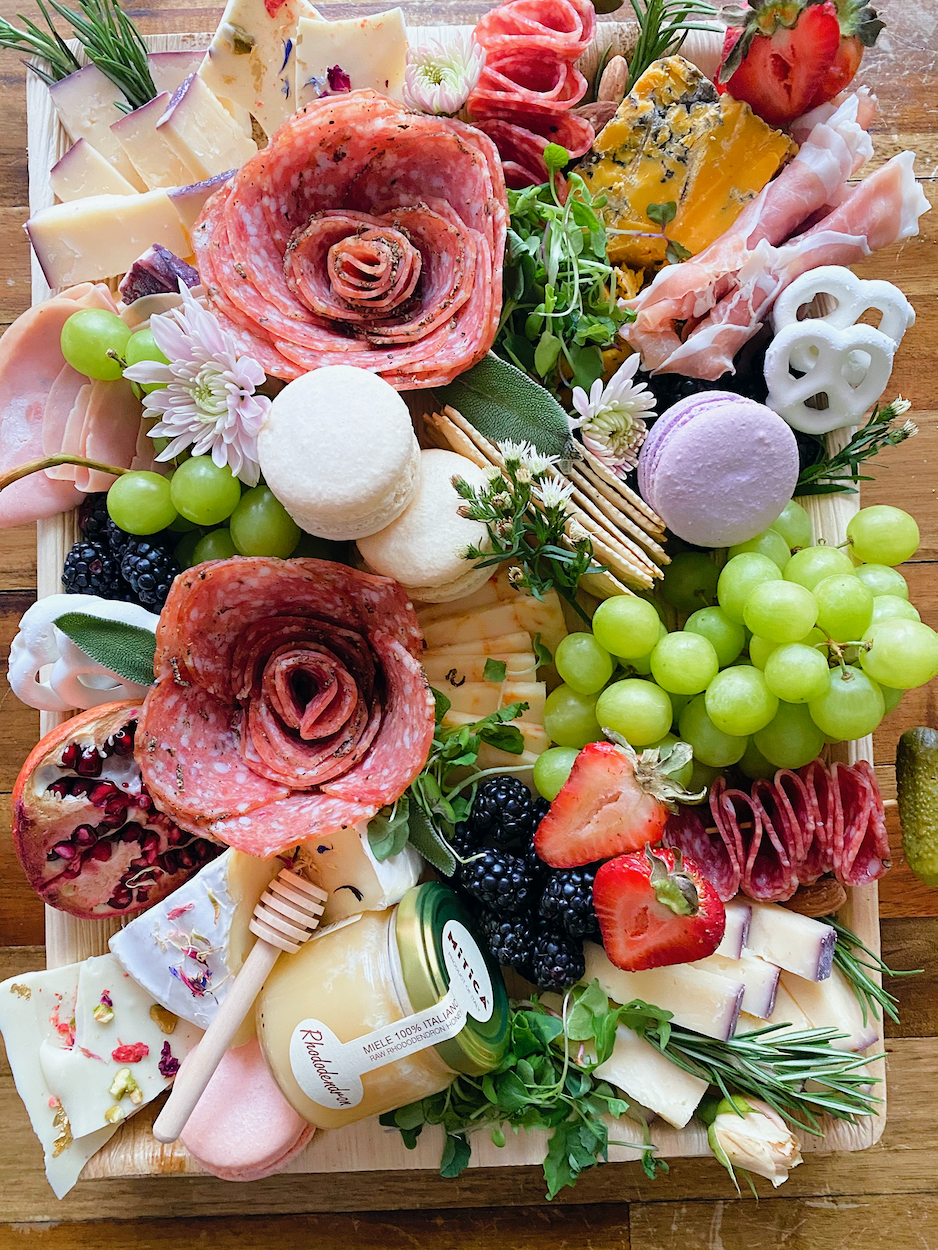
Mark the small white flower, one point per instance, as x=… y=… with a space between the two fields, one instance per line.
x=611 y=420
x=538 y=463
x=439 y=76
x=205 y=398
x=554 y=493
x=759 y=1140
x=514 y=453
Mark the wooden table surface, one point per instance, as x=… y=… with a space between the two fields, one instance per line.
x=888 y=1194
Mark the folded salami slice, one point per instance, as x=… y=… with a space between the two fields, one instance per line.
x=771 y=866
x=564 y=27
x=861 y=852
x=819 y=858
x=542 y=81
x=715 y=857
x=289 y=701
x=522 y=135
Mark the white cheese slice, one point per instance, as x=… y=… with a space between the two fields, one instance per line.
x=449 y=672
x=518 y=643
x=189 y=201
x=169 y=69
x=186 y=950
x=154 y=158
x=523 y=613
x=371 y=50
x=250 y=60
x=345 y=867
x=487 y=594
x=86 y=104
x=202 y=132
x=103 y=235
x=833 y=1004
x=738 y=920
x=759 y=978
x=796 y=943
x=84 y=171
x=33 y=1009
x=786 y=1011
x=647 y=1076
x=703 y=1001
x=481 y=698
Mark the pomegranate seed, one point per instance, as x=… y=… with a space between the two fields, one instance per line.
x=80 y=787
x=63 y=850
x=185 y=857
x=60 y=788
x=168 y=862
x=101 y=851
x=102 y=792
x=71 y=755
x=142 y=896
x=72 y=870
x=89 y=765
x=131 y=832
x=139 y=862
x=84 y=835
x=174 y=835
x=122 y=743
x=144 y=802
x=121 y=897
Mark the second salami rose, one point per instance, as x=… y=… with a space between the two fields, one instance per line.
x=289 y=702
x=363 y=235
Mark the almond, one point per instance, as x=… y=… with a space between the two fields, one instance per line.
x=826 y=895
x=614 y=80
x=597 y=114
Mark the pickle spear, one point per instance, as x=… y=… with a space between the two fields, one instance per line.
x=917 y=782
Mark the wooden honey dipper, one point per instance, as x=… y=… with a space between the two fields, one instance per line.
x=285 y=917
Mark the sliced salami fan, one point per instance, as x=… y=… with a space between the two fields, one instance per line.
x=714 y=856
x=819 y=784
x=861 y=853
x=544 y=81
x=521 y=137
x=564 y=27
x=773 y=872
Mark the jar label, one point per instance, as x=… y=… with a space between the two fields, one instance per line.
x=329 y=1071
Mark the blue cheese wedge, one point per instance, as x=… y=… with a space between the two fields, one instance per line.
x=204 y=135
x=87 y=104
x=250 y=60
x=84 y=171
x=345 y=867
x=650 y=1078
x=152 y=155
x=371 y=50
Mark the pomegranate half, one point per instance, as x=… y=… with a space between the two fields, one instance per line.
x=85 y=829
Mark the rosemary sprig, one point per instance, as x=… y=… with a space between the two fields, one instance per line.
x=663 y=27
x=32 y=41
x=841 y=471
x=870 y=995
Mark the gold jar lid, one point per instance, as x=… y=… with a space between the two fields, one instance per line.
x=438 y=948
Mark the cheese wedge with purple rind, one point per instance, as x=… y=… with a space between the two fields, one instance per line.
x=793 y=942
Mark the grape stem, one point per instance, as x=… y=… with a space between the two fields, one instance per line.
x=50 y=462
x=837 y=650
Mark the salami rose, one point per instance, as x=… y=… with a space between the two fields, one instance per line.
x=289 y=701
x=363 y=235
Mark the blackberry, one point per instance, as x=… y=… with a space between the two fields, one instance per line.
x=499 y=881
x=149 y=568
x=568 y=899
x=510 y=939
x=502 y=811
x=556 y=960
x=117 y=538
x=90 y=569
x=463 y=840
x=93 y=518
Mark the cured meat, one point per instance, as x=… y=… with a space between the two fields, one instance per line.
x=545 y=82
x=289 y=701
x=564 y=27
x=716 y=857
x=363 y=235
x=521 y=145
x=861 y=851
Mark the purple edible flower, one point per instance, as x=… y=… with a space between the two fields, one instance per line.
x=338 y=79
x=169 y=1064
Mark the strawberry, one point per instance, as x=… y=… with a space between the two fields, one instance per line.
x=656 y=908
x=613 y=801
x=859 y=29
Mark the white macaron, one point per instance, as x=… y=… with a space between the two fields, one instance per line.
x=338 y=450
x=424 y=548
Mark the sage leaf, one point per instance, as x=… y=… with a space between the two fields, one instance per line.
x=127 y=650
x=425 y=839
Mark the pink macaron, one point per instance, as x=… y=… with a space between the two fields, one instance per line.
x=718 y=468
x=242 y=1127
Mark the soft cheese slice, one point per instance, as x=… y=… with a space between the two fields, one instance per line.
x=186 y=950
x=448 y=673
x=87 y=103
x=481 y=698
x=203 y=133
x=703 y=1001
x=796 y=943
x=833 y=1004
x=84 y=171
x=250 y=60
x=646 y=1075
x=103 y=235
x=738 y=920
x=759 y=978
x=34 y=1008
x=523 y=613
x=371 y=50
x=345 y=867
x=152 y=155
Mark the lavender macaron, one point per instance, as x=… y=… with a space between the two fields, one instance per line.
x=718 y=468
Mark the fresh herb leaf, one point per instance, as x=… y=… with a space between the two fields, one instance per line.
x=675 y=252
x=661 y=214
x=127 y=650
x=870 y=994
x=456 y=1154
x=495 y=670
x=841 y=470
x=388 y=832
x=663 y=27
x=426 y=839
x=441 y=702
x=555 y=157
x=541 y=653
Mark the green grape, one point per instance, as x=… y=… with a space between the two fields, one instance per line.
x=739 y=702
x=891 y=697
x=142 y=346
x=769 y=543
x=702 y=777
x=796 y=673
x=88 y=336
x=760 y=649
x=725 y=636
x=852 y=707
x=794 y=525
x=638 y=710
x=678 y=703
x=845 y=607
x=690 y=581
x=261 y=526
x=904 y=654
x=216 y=545
x=182 y=526
x=141 y=503
x=203 y=492
x=570 y=718
x=184 y=551
x=888 y=607
x=710 y=745
x=684 y=663
x=582 y=663
x=883 y=535
x=642 y=664
x=310 y=547
x=740 y=577
x=754 y=764
x=551 y=770
x=780 y=611
x=813 y=564
x=790 y=739
x=626 y=626
x=882 y=580
x=683 y=774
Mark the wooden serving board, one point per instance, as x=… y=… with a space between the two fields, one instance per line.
x=366 y=1147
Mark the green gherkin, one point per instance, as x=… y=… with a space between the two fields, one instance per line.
x=917 y=779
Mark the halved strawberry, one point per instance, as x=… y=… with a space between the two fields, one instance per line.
x=656 y=908
x=859 y=28
x=613 y=801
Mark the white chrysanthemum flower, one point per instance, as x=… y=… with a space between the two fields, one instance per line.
x=205 y=399
x=554 y=493
x=439 y=76
x=538 y=463
x=611 y=421
x=514 y=453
